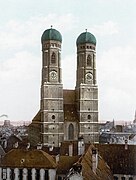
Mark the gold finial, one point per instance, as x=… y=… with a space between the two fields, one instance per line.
x=51 y=26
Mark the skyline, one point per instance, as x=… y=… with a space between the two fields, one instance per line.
x=113 y=25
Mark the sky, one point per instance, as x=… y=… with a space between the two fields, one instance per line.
x=21 y=26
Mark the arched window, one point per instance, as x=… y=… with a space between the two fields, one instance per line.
x=89 y=60
x=71 y=132
x=53 y=117
x=89 y=116
x=53 y=58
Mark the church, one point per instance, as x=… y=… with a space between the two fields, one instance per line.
x=65 y=114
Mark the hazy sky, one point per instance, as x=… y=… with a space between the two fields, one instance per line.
x=22 y=22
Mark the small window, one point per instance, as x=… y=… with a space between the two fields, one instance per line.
x=4 y=173
x=59 y=178
x=37 y=174
x=89 y=116
x=28 y=174
x=53 y=117
x=46 y=174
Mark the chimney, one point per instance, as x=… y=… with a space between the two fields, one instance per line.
x=94 y=159
x=39 y=146
x=57 y=158
x=5 y=143
x=81 y=146
x=28 y=146
x=51 y=148
x=77 y=167
x=15 y=145
x=71 y=149
x=126 y=144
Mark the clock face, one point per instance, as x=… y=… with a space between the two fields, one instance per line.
x=53 y=75
x=89 y=77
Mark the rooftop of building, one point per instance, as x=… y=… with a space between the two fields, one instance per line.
x=103 y=170
x=86 y=37
x=120 y=158
x=28 y=158
x=51 y=34
x=85 y=161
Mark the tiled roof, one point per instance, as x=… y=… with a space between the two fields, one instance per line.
x=121 y=161
x=11 y=142
x=37 y=117
x=102 y=172
x=34 y=130
x=28 y=159
x=65 y=163
x=69 y=96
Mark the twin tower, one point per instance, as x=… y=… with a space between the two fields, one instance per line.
x=66 y=115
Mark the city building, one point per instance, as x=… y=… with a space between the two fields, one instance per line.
x=85 y=164
x=26 y=164
x=66 y=114
x=121 y=158
x=36 y=164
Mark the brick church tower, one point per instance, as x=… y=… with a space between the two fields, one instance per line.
x=86 y=87
x=66 y=114
x=51 y=89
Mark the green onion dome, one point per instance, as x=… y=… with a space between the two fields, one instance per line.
x=86 y=37
x=51 y=34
